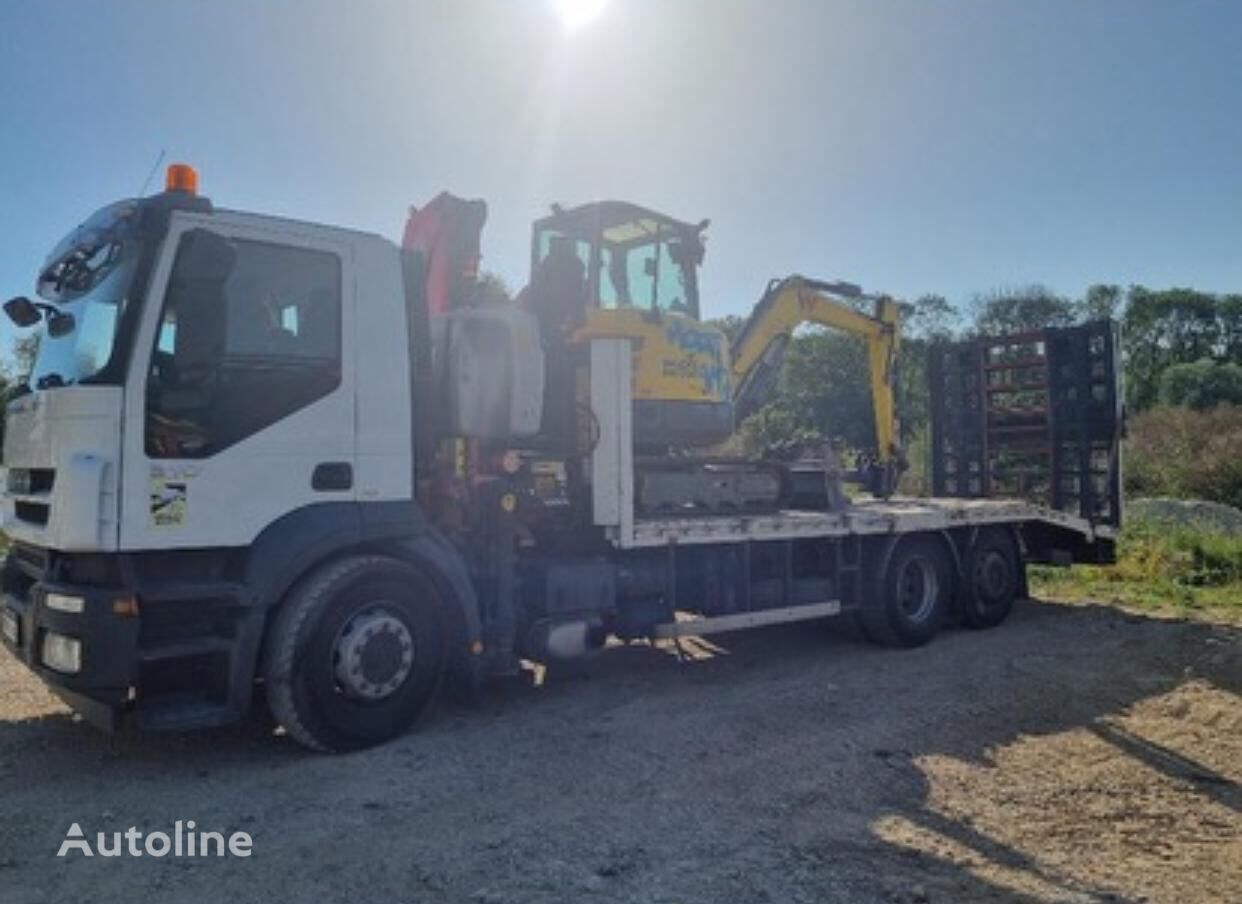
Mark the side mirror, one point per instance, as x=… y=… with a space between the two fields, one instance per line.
x=22 y=311
x=59 y=323
x=205 y=256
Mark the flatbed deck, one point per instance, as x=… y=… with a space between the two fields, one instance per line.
x=865 y=517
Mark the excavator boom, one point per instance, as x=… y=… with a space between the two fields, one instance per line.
x=759 y=349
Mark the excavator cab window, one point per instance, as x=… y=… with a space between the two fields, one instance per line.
x=643 y=265
x=632 y=257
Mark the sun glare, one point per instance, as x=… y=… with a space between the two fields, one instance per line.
x=576 y=14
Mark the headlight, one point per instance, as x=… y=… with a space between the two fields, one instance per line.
x=62 y=603
x=18 y=481
x=62 y=653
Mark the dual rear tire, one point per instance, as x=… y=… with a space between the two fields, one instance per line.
x=920 y=586
x=910 y=595
x=993 y=579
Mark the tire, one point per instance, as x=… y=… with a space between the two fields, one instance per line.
x=992 y=579
x=356 y=654
x=911 y=598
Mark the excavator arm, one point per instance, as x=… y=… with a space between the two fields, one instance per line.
x=759 y=349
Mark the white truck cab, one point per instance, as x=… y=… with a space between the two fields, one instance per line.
x=195 y=433
x=281 y=425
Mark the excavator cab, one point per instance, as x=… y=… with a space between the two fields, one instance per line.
x=617 y=270
x=631 y=257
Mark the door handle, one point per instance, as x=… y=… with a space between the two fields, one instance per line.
x=330 y=476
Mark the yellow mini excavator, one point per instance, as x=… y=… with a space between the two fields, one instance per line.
x=614 y=269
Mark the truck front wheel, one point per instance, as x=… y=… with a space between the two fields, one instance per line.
x=355 y=654
x=911 y=596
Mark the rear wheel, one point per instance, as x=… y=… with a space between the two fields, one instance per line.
x=992 y=579
x=355 y=654
x=911 y=597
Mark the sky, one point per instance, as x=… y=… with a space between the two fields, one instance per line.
x=947 y=146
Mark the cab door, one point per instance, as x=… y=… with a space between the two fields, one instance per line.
x=240 y=399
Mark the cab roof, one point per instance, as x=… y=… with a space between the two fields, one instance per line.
x=620 y=222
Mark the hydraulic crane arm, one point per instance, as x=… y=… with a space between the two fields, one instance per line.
x=760 y=348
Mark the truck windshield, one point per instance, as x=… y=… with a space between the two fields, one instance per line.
x=89 y=276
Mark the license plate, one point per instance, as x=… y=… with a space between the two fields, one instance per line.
x=10 y=626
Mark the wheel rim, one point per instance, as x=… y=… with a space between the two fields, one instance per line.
x=918 y=588
x=992 y=577
x=372 y=654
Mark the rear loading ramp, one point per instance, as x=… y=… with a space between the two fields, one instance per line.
x=1035 y=416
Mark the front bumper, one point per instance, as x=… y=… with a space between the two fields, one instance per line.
x=101 y=688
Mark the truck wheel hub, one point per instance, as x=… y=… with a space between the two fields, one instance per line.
x=917 y=589
x=992 y=576
x=373 y=655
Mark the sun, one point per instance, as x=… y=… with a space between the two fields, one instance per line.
x=575 y=14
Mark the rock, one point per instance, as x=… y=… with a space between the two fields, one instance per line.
x=1196 y=513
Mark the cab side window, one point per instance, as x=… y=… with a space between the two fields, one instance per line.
x=250 y=333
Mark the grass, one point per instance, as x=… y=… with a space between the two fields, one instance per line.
x=1160 y=567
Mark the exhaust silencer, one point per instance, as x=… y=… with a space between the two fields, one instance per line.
x=562 y=640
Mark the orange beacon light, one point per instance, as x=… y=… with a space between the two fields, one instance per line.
x=181 y=177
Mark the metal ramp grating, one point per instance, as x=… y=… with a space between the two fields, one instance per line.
x=1033 y=416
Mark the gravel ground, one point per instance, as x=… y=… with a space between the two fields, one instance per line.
x=1075 y=754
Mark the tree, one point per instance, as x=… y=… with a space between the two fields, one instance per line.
x=1229 y=310
x=1176 y=326
x=775 y=430
x=824 y=383
x=492 y=288
x=1202 y=384
x=822 y=393
x=730 y=324
x=1032 y=307
x=14 y=372
x=932 y=317
x=1102 y=302
x=929 y=319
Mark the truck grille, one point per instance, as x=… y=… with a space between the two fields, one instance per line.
x=35 y=513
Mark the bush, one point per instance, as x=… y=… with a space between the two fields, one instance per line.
x=1186 y=454
x=1202 y=384
x=1159 y=565
x=1154 y=552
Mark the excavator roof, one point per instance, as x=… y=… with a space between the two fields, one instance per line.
x=621 y=222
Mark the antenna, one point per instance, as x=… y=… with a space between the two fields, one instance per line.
x=151 y=175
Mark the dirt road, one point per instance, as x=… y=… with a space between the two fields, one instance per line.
x=1075 y=754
